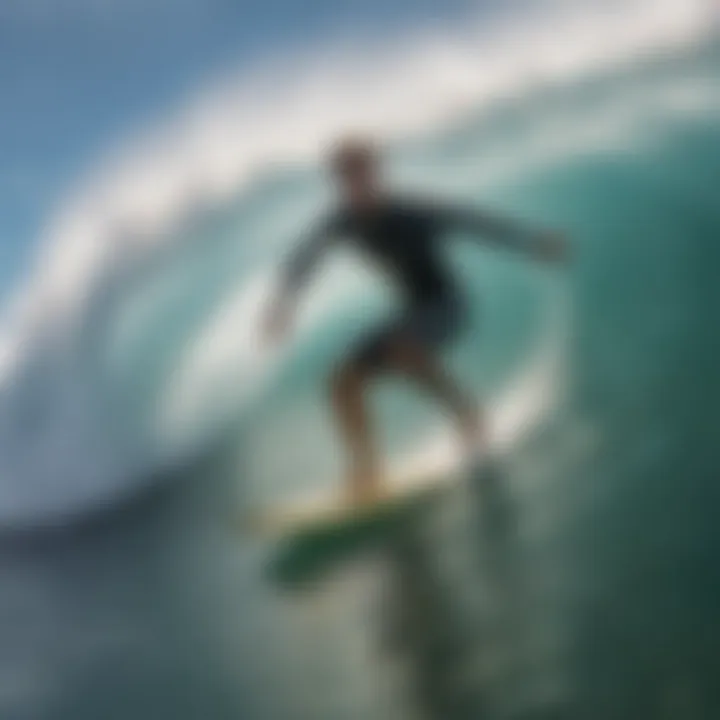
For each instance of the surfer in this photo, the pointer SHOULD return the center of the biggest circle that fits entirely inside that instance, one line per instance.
(403, 237)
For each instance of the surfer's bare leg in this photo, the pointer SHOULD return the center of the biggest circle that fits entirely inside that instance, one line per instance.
(348, 398)
(415, 362)
(412, 360)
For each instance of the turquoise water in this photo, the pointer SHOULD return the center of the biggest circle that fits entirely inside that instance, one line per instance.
(579, 580)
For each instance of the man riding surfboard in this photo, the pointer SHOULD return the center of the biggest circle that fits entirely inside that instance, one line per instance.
(404, 237)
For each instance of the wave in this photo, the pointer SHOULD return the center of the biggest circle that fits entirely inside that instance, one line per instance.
(107, 352)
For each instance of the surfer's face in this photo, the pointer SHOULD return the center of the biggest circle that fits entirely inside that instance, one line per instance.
(358, 179)
(359, 187)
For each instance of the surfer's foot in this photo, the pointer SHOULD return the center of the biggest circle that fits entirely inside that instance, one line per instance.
(365, 489)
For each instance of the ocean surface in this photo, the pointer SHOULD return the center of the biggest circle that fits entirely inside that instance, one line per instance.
(140, 420)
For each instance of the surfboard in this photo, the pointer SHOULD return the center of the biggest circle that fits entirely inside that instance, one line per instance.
(314, 535)
(335, 508)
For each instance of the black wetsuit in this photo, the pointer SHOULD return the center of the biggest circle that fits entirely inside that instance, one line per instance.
(404, 238)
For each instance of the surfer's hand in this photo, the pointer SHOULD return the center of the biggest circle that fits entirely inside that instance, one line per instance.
(276, 323)
(552, 247)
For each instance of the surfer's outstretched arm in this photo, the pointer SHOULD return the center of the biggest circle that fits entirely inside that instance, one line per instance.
(504, 232)
(294, 276)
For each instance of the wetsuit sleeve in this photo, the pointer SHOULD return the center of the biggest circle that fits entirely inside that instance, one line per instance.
(301, 262)
(487, 227)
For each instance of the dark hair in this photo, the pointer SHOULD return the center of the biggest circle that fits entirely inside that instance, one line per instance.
(352, 154)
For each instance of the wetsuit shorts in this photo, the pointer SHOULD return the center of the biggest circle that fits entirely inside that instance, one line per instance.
(431, 324)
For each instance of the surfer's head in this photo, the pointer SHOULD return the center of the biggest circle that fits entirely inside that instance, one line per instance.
(355, 166)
